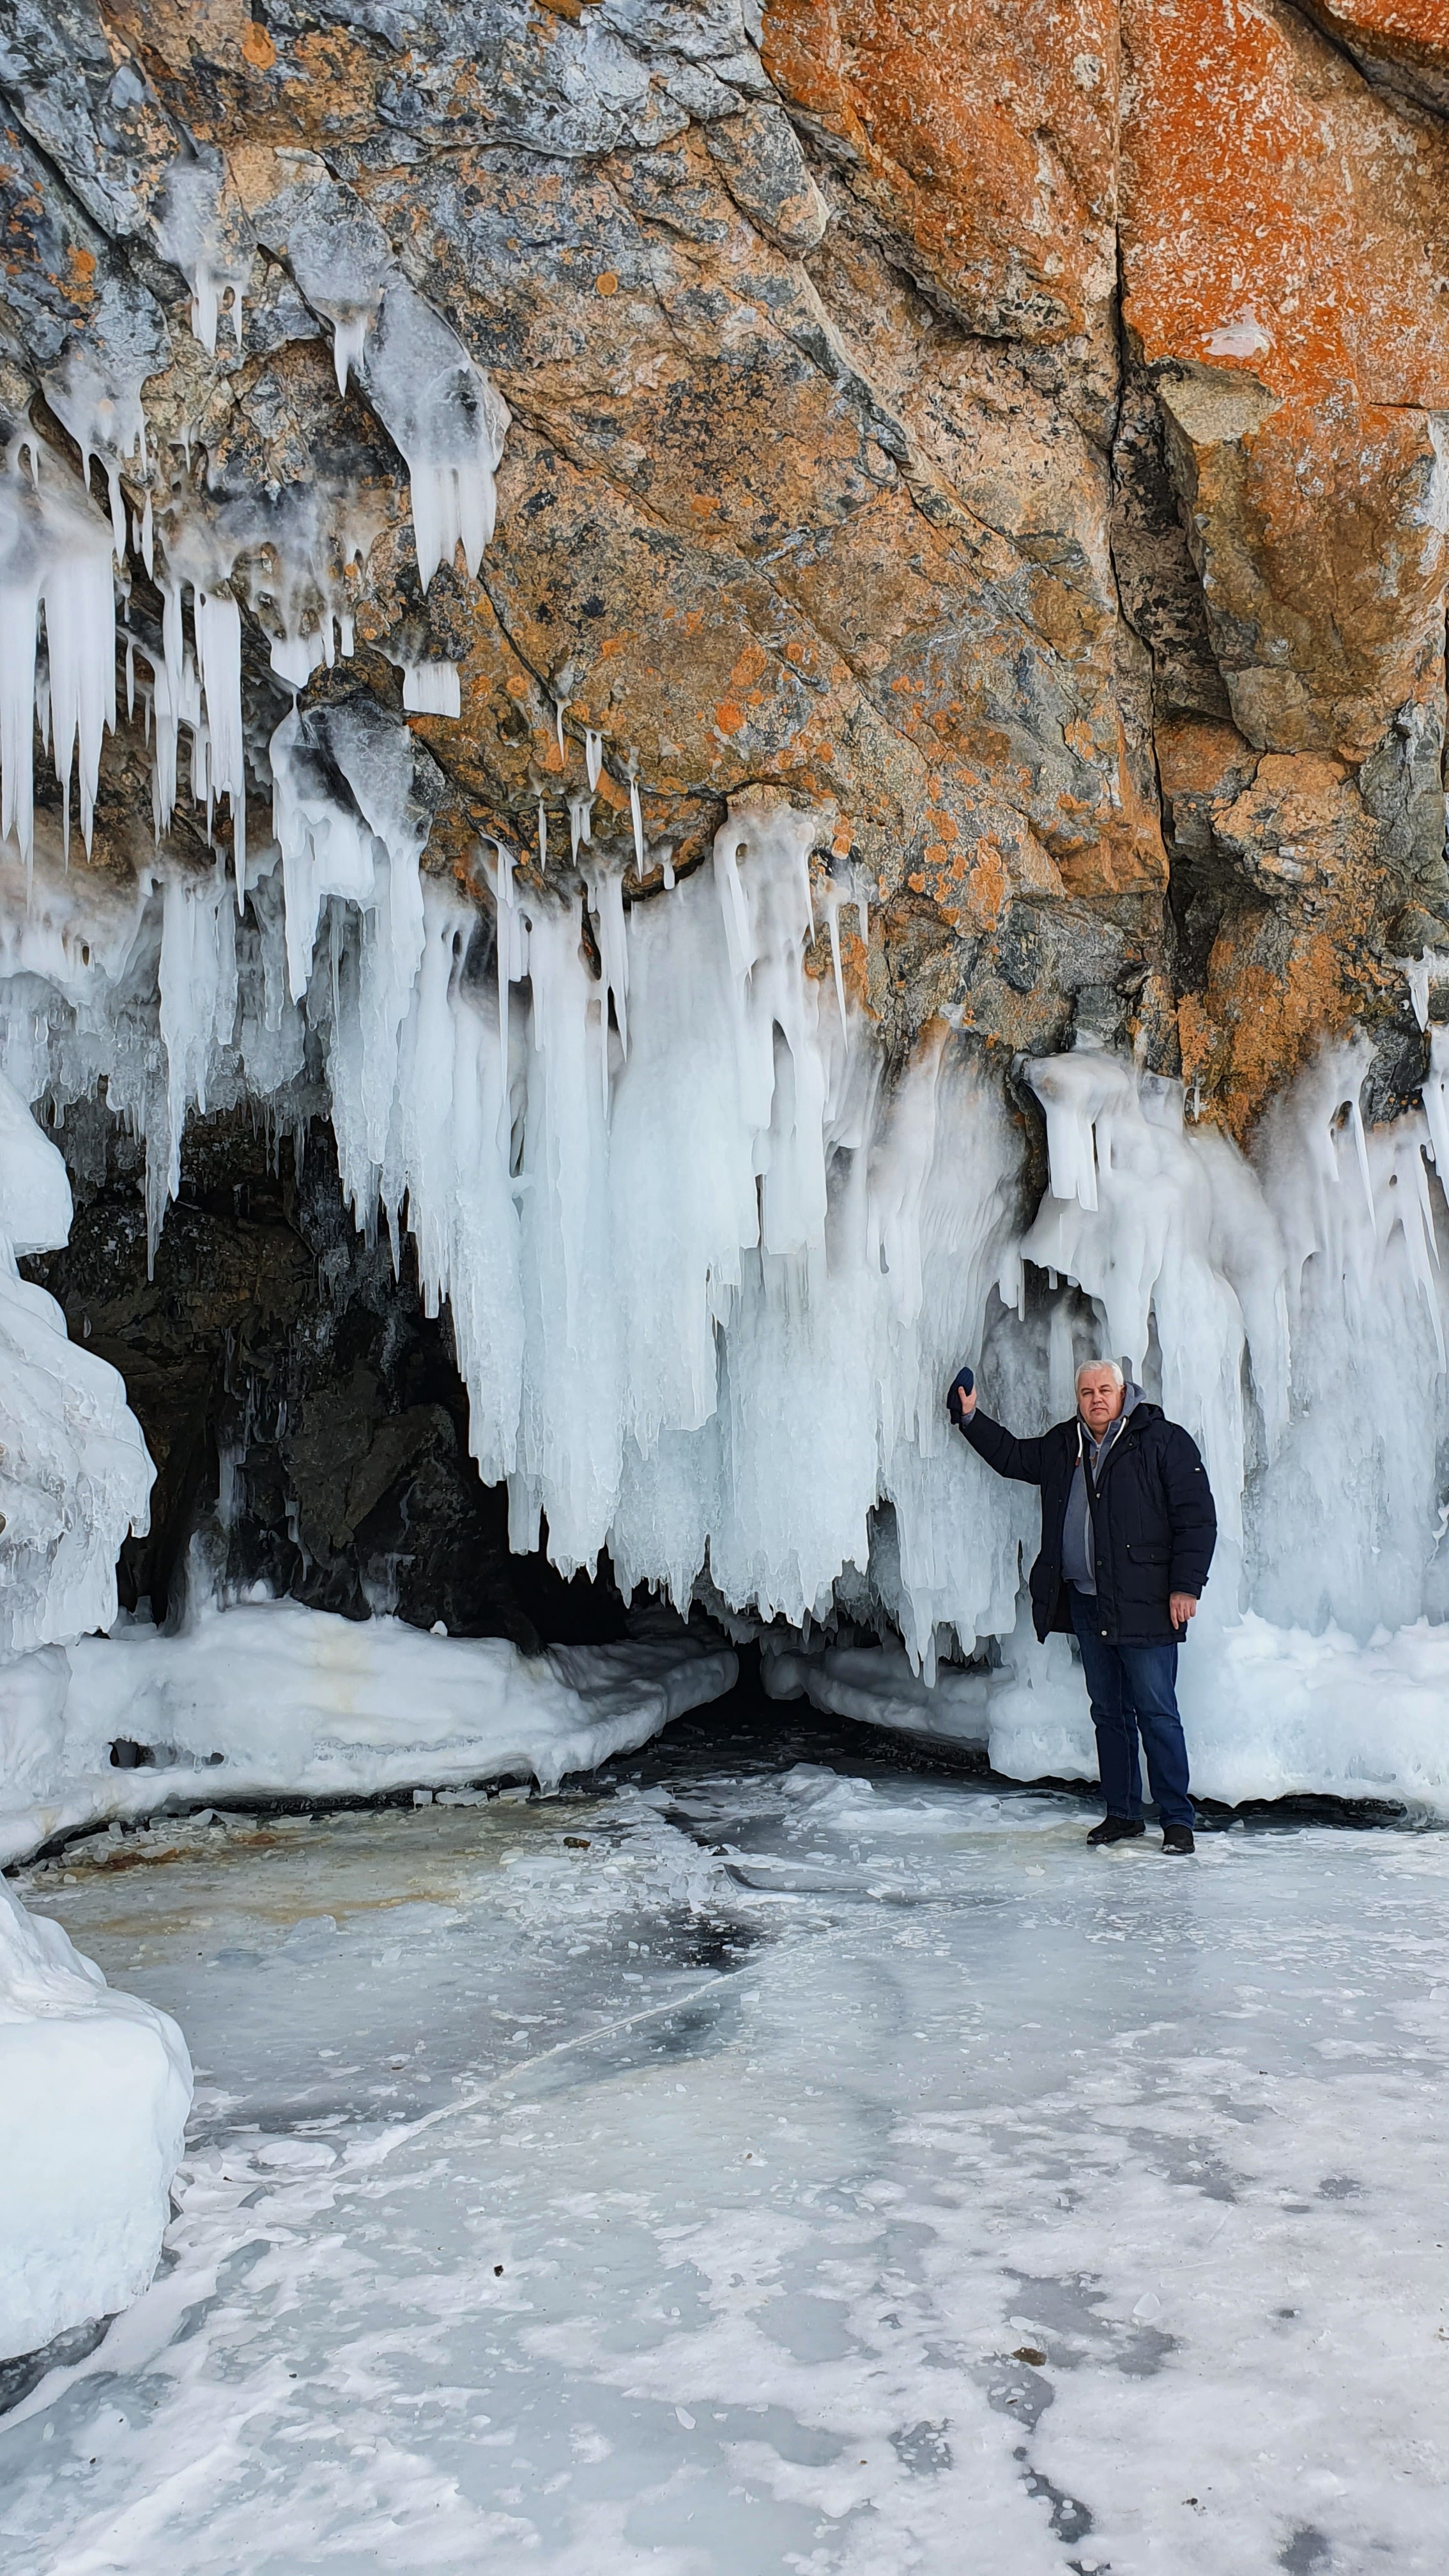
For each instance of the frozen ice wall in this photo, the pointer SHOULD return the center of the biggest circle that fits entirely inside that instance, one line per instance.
(1290, 1311)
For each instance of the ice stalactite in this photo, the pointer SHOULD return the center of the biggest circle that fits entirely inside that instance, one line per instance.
(1166, 1230)
(218, 650)
(1291, 1311)
(55, 563)
(197, 986)
(286, 555)
(438, 406)
(432, 689)
(448, 420)
(709, 1272)
(704, 1273)
(95, 389)
(213, 254)
(1345, 1517)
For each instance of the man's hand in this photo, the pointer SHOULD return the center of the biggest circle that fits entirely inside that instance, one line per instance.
(1181, 1606)
(961, 1401)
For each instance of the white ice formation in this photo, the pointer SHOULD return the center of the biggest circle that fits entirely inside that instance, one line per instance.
(268, 1699)
(94, 2087)
(74, 1473)
(94, 2092)
(438, 406)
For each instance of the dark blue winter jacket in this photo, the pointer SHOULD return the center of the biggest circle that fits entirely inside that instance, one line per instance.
(1153, 1523)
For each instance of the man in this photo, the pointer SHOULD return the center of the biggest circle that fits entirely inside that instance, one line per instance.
(1127, 1536)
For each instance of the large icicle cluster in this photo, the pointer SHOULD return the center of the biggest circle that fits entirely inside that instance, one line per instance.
(709, 1272)
(1292, 1312)
(705, 1268)
(285, 552)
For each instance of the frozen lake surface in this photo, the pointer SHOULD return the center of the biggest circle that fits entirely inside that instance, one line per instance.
(750, 2168)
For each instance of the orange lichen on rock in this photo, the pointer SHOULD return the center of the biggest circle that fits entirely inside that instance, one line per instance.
(1286, 266)
(980, 131)
(1262, 1017)
(1278, 216)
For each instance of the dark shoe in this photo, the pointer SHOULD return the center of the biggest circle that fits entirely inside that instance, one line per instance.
(1115, 1829)
(1178, 1838)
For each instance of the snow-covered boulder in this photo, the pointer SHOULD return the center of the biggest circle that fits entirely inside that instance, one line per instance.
(94, 2092)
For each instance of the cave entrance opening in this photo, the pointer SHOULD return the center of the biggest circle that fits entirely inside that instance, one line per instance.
(305, 1415)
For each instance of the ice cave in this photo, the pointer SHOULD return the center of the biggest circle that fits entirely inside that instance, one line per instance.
(705, 708)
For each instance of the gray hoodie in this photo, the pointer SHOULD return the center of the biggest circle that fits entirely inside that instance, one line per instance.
(1078, 1559)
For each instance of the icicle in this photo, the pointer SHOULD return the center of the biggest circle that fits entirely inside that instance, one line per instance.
(1435, 1098)
(118, 507)
(834, 919)
(581, 824)
(558, 716)
(218, 646)
(593, 759)
(19, 617)
(666, 854)
(1419, 973)
(349, 331)
(542, 837)
(503, 904)
(130, 677)
(80, 632)
(1355, 1119)
(432, 688)
(636, 817)
(606, 902)
(448, 419)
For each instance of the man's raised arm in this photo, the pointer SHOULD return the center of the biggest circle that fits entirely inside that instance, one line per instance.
(1023, 1459)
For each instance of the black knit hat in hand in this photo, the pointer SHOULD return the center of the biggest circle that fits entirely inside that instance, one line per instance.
(960, 1387)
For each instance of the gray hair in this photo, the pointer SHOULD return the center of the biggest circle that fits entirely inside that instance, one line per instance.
(1113, 1371)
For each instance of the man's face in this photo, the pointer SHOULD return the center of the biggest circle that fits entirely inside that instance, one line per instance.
(1099, 1399)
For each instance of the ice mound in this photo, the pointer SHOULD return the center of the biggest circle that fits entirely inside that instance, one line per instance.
(267, 1698)
(94, 2092)
(94, 2087)
(74, 1471)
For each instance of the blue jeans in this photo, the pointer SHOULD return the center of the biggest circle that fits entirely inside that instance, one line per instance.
(1133, 1691)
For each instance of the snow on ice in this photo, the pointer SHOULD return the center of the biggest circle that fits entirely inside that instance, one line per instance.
(745, 2168)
